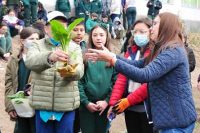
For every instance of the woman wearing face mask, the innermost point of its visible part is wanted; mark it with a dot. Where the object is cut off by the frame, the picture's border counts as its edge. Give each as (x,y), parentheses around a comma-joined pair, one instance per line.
(16,77)
(135,116)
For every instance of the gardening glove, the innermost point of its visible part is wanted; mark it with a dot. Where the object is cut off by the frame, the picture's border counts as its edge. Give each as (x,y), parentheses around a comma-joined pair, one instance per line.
(121,105)
(68,70)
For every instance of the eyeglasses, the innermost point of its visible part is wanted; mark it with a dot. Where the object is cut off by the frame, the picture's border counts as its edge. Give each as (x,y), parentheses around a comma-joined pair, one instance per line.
(133,32)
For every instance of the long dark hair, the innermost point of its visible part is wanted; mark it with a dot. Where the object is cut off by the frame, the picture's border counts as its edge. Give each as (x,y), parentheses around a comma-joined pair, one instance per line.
(24,34)
(169,34)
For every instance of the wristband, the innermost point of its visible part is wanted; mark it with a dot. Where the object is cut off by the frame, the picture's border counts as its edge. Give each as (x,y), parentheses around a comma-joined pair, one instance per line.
(112,59)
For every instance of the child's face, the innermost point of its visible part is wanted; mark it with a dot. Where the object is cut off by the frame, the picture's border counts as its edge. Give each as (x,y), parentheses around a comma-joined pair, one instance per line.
(94,18)
(79,33)
(99,37)
(105,20)
(3,29)
(117,23)
(12,14)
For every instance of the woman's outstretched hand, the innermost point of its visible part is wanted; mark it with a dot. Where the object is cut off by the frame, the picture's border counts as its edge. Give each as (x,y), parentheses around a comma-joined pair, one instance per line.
(102,55)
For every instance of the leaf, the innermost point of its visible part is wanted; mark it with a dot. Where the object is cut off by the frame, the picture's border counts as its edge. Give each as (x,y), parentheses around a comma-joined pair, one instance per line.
(64,35)
(58,30)
(19,94)
(74,24)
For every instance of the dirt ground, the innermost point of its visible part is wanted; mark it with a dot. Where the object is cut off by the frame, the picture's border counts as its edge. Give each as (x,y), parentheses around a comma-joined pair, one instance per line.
(118,126)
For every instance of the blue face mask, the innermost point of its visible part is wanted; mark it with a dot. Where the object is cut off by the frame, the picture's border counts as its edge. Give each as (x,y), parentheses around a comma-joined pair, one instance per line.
(54,42)
(141,40)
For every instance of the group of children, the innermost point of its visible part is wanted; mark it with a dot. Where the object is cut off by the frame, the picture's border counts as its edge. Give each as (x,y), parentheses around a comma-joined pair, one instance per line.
(66,103)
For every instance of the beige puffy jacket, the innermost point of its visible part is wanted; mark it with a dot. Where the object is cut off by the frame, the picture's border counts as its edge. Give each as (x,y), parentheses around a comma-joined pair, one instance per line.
(50,91)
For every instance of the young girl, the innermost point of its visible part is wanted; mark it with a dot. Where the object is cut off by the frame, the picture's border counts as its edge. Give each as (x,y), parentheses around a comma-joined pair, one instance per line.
(95,87)
(15,25)
(17,76)
(135,116)
(5,42)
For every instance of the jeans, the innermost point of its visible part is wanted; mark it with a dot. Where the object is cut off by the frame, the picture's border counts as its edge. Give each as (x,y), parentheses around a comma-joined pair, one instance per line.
(131,15)
(188,129)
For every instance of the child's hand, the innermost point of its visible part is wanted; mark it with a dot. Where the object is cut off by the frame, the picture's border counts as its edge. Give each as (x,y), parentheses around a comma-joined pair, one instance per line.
(12,114)
(92,107)
(101,106)
(58,55)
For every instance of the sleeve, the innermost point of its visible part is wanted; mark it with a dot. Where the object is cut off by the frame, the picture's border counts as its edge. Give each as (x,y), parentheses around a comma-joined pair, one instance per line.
(9,90)
(20,22)
(81,85)
(163,63)
(191,58)
(33,55)
(138,95)
(137,63)
(118,89)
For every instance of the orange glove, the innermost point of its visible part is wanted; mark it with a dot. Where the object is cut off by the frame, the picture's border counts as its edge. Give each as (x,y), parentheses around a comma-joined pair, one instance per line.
(121,105)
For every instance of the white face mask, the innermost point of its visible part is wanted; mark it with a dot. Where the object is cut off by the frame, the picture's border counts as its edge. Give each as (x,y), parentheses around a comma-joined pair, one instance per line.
(28,43)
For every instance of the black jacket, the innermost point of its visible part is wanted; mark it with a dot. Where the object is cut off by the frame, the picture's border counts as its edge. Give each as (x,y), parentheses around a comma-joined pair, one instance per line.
(191,58)
(154,7)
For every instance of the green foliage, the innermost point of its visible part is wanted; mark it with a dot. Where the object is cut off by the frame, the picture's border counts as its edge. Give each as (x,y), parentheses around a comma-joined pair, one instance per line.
(63,35)
(18,97)
(19,94)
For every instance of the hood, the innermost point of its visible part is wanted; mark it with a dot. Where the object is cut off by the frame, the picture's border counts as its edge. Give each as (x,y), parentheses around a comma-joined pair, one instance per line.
(117,20)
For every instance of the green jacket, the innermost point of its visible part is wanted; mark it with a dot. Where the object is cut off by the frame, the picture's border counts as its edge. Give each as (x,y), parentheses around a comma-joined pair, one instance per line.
(50,91)
(28,2)
(97,82)
(63,6)
(11,81)
(90,24)
(11,2)
(96,6)
(86,6)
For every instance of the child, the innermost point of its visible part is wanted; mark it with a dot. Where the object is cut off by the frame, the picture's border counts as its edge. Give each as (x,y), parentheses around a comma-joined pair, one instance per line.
(95,87)
(15,25)
(79,34)
(118,28)
(42,13)
(55,95)
(108,24)
(5,42)
(139,47)
(91,22)
(17,76)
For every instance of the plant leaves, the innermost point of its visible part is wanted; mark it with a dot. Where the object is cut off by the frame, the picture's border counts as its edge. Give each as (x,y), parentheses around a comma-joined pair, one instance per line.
(61,34)
(19,94)
(74,24)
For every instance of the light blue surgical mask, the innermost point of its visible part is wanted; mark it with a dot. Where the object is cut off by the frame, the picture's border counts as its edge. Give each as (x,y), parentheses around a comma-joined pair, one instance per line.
(28,43)
(141,40)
